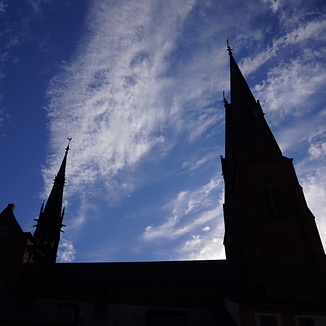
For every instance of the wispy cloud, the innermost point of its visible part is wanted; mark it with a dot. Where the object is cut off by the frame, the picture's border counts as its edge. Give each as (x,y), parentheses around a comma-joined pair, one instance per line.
(311,172)
(112,98)
(66,252)
(36,5)
(195,220)
(298,36)
(297,135)
(289,86)
(274,4)
(204,246)
(314,187)
(3,6)
(4,116)
(206,243)
(119,101)
(85,211)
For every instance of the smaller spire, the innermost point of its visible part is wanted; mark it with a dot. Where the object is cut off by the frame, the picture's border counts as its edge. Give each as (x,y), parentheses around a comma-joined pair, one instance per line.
(229,49)
(49,223)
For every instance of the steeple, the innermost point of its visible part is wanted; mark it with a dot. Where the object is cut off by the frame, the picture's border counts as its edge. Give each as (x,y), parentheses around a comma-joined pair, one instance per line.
(246,127)
(49,223)
(269,230)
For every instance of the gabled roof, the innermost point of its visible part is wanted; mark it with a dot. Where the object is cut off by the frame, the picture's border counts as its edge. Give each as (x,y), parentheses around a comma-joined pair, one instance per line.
(8,219)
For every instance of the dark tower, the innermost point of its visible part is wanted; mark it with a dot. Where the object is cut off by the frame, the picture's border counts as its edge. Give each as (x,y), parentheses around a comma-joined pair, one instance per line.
(269,230)
(49,223)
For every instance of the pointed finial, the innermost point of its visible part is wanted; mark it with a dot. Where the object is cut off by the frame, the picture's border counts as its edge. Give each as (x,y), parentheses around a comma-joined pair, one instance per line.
(229,49)
(67,148)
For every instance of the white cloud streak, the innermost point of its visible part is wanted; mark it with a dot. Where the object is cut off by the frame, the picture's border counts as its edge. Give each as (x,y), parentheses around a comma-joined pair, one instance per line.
(195,220)
(36,5)
(314,186)
(204,246)
(66,252)
(198,202)
(312,175)
(299,36)
(3,6)
(288,88)
(274,4)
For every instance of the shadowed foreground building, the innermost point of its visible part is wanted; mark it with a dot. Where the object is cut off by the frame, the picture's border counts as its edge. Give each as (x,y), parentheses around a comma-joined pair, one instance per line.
(274,273)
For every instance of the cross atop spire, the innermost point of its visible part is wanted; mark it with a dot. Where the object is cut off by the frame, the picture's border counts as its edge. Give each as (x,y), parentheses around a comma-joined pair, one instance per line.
(229,49)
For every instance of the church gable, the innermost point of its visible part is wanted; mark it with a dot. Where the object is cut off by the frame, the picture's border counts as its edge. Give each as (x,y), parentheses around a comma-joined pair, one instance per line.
(9,228)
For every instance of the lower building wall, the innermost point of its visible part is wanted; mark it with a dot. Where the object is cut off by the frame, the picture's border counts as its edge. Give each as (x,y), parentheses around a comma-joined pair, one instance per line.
(282,315)
(47,311)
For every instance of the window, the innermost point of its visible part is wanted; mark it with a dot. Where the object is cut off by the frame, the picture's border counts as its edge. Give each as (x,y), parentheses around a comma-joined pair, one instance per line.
(67,314)
(305,321)
(165,318)
(268,320)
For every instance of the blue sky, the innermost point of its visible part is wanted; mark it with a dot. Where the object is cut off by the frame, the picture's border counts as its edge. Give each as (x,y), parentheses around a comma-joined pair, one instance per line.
(138,86)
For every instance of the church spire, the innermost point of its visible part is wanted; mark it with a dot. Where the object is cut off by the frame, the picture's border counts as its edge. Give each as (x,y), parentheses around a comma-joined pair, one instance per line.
(245,121)
(269,230)
(49,223)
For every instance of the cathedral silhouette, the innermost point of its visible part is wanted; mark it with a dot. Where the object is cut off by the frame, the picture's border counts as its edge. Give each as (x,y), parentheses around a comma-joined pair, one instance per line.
(275,268)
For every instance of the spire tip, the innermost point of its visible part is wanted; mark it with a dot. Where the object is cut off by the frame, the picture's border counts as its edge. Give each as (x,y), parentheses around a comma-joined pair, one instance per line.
(229,49)
(67,148)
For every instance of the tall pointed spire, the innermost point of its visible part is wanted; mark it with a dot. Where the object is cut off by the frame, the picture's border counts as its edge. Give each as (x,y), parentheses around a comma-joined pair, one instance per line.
(49,223)
(245,119)
(269,230)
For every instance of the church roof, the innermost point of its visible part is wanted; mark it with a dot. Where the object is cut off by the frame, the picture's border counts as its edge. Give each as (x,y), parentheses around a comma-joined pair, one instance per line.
(147,273)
